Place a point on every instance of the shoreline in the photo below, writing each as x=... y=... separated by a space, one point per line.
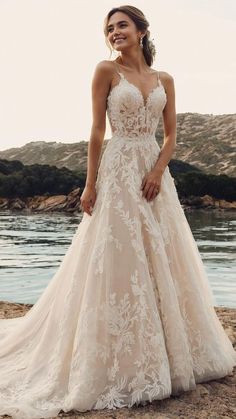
x=11 y=309
x=71 y=203
x=214 y=399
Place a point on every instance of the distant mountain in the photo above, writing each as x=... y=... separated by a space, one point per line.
x=72 y=156
x=205 y=141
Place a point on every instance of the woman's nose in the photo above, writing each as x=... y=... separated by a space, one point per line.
x=116 y=33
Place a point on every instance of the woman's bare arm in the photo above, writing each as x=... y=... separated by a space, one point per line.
x=169 y=119
x=151 y=182
x=100 y=89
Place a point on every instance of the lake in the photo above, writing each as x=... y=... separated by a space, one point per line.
x=32 y=247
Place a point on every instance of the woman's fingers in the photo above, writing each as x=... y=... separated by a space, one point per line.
x=150 y=191
x=150 y=185
x=87 y=209
x=87 y=200
x=87 y=206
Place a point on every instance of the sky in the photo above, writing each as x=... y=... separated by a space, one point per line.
x=49 y=50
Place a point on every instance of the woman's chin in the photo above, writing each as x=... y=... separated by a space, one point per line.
x=119 y=48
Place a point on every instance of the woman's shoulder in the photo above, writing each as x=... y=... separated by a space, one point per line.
x=104 y=72
x=105 y=65
x=167 y=80
x=164 y=75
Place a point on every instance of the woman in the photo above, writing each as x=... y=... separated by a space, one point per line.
x=136 y=57
x=129 y=315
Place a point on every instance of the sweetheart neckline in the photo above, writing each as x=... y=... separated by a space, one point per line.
x=145 y=101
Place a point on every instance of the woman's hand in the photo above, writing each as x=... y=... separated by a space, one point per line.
x=87 y=199
x=151 y=185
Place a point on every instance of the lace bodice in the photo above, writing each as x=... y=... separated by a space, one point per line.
x=129 y=114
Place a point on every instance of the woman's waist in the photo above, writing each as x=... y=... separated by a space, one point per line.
x=148 y=144
x=133 y=137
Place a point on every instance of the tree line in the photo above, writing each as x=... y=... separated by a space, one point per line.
x=19 y=180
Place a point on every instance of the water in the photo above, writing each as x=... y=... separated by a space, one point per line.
x=32 y=247
x=215 y=234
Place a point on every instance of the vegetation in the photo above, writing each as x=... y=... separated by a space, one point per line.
x=19 y=180
x=190 y=180
x=200 y=184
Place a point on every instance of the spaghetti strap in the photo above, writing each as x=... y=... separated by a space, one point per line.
x=158 y=78
x=117 y=69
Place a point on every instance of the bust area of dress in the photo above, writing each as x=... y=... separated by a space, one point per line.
x=129 y=113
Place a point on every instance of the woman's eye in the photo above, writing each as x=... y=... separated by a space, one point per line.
x=122 y=24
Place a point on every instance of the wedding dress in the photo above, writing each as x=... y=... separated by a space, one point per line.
x=129 y=315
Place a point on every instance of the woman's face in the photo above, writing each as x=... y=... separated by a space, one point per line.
x=122 y=32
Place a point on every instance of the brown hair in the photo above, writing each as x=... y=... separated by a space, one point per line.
x=137 y=16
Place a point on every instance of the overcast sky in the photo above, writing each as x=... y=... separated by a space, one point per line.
x=49 y=49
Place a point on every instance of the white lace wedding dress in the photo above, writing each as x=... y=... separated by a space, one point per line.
x=129 y=315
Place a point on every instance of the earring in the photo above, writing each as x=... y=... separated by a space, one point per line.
x=141 y=42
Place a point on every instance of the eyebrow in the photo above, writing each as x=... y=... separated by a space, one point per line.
x=120 y=21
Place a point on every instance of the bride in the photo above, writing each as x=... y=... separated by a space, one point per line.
x=129 y=316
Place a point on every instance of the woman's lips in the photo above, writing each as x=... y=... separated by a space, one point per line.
x=119 y=39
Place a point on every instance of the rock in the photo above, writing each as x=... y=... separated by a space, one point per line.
x=207 y=200
x=67 y=203
x=57 y=201
x=74 y=193
x=33 y=202
x=4 y=203
x=73 y=200
x=202 y=390
x=192 y=200
x=226 y=204
x=71 y=203
x=17 y=204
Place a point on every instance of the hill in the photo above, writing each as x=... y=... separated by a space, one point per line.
x=205 y=141
x=208 y=142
